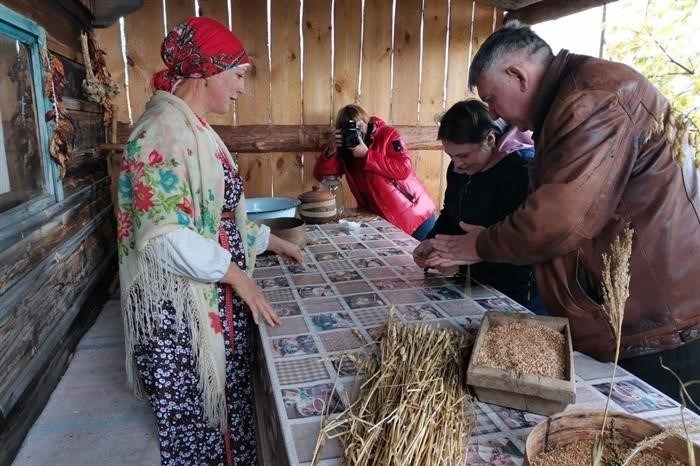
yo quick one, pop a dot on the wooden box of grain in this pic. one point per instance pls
(525, 392)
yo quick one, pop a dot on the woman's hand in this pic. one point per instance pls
(420, 253)
(285, 249)
(360, 150)
(335, 140)
(251, 294)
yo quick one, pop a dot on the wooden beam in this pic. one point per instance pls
(507, 4)
(15, 424)
(547, 10)
(33, 321)
(291, 138)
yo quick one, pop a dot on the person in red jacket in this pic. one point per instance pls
(376, 163)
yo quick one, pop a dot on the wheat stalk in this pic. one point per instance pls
(412, 408)
(685, 398)
(616, 281)
(651, 442)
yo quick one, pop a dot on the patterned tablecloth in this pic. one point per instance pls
(338, 301)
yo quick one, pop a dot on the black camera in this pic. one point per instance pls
(351, 135)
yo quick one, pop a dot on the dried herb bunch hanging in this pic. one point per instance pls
(62, 140)
(616, 290)
(412, 408)
(98, 85)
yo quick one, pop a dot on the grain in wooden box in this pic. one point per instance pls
(526, 392)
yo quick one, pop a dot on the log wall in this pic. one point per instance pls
(320, 56)
(56, 264)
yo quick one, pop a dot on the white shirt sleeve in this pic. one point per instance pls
(263, 239)
(195, 256)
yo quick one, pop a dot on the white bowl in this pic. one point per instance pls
(259, 208)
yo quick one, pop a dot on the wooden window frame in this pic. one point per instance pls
(26, 31)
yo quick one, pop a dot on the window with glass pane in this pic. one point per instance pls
(21, 174)
(26, 171)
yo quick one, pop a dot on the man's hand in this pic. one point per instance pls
(421, 254)
(450, 250)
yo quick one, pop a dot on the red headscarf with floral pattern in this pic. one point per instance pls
(198, 48)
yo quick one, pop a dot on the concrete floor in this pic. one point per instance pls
(91, 418)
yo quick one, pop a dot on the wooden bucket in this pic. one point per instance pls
(565, 428)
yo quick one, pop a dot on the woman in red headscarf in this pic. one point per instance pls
(186, 252)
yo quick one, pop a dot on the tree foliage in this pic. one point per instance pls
(660, 39)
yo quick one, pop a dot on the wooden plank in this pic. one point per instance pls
(317, 106)
(547, 10)
(31, 220)
(458, 60)
(292, 138)
(482, 26)
(433, 70)
(285, 92)
(31, 246)
(404, 100)
(271, 448)
(348, 23)
(458, 53)
(177, 11)
(144, 34)
(429, 164)
(510, 4)
(31, 402)
(249, 20)
(346, 79)
(62, 29)
(317, 86)
(375, 92)
(89, 130)
(84, 170)
(218, 10)
(109, 40)
(39, 315)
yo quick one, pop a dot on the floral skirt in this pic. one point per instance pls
(166, 367)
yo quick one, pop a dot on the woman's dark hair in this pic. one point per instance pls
(468, 122)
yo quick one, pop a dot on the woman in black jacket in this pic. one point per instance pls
(487, 179)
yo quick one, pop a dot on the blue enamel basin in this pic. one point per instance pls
(259, 208)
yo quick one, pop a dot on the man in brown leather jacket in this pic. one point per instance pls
(603, 162)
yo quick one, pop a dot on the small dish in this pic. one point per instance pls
(348, 225)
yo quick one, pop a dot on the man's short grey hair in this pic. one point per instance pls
(514, 36)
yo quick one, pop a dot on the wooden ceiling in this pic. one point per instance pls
(509, 4)
(537, 11)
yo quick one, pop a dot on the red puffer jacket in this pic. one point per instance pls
(383, 182)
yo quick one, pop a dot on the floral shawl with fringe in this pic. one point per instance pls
(171, 178)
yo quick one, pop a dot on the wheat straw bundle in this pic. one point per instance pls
(412, 407)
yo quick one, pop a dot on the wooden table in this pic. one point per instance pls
(338, 302)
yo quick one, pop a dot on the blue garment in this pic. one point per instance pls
(527, 154)
(426, 227)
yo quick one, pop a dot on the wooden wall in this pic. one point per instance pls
(55, 266)
(322, 55)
